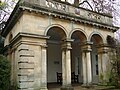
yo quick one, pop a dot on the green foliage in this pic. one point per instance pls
(112, 79)
(4, 73)
(101, 76)
(1, 45)
(115, 61)
(3, 5)
(111, 41)
(115, 67)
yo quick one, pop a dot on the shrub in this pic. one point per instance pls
(4, 73)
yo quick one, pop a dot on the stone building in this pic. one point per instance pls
(43, 37)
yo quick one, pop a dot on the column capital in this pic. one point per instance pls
(86, 46)
(87, 43)
(66, 43)
(102, 45)
(68, 40)
(102, 48)
(44, 45)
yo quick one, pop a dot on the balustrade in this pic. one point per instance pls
(70, 9)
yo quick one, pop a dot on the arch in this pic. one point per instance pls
(57, 34)
(79, 36)
(99, 37)
(80, 31)
(55, 25)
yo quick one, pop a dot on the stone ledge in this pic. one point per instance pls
(26, 66)
(28, 60)
(26, 53)
(25, 85)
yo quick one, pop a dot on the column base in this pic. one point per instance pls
(87, 85)
(66, 88)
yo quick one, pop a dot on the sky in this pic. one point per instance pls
(5, 15)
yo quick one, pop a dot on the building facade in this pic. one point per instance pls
(44, 37)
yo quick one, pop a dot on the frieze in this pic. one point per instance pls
(77, 11)
(58, 9)
(94, 16)
(56, 5)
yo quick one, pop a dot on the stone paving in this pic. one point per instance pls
(79, 87)
(75, 88)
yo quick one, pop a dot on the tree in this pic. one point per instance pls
(6, 7)
(4, 73)
(1, 44)
(111, 7)
(115, 60)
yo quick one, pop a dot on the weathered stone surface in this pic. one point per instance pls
(26, 66)
(25, 72)
(35, 58)
(27, 78)
(26, 53)
(29, 60)
(25, 85)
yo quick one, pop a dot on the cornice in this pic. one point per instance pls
(66, 15)
(22, 34)
(25, 6)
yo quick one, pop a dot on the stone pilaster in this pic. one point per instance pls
(86, 63)
(66, 65)
(25, 67)
(43, 67)
(12, 67)
(13, 70)
(32, 67)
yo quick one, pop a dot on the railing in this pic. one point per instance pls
(72, 10)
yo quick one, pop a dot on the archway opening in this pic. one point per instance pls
(97, 40)
(54, 53)
(76, 55)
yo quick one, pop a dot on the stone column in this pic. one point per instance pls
(100, 71)
(86, 60)
(66, 65)
(43, 67)
(103, 64)
(84, 68)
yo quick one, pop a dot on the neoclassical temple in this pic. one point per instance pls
(46, 37)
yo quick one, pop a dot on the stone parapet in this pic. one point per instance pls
(66, 8)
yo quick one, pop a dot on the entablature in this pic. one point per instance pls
(65, 10)
(62, 10)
